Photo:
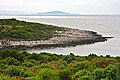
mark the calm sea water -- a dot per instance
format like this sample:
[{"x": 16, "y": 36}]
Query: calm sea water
[{"x": 105, "y": 25}]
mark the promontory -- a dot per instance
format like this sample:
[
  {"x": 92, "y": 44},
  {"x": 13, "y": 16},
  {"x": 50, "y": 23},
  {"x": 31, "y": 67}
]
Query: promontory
[{"x": 21, "y": 34}]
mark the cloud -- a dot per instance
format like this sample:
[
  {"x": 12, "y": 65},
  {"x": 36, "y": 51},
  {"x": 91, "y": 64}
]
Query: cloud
[{"x": 79, "y": 6}]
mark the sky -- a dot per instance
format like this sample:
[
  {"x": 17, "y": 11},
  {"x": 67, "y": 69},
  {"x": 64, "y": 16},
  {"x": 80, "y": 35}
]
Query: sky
[{"x": 71, "y": 6}]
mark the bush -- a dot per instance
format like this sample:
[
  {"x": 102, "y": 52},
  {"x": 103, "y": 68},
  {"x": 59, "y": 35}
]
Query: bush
[
  {"x": 69, "y": 58},
  {"x": 43, "y": 65},
  {"x": 98, "y": 74},
  {"x": 63, "y": 65},
  {"x": 3, "y": 66},
  {"x": 65, "y": 74},
  {"x": 27, "y": 64},
  {"x": 2, "y": 71},
  {"x": 80, "y": 66},
  {"x": 112, "y": 72},
  {"x": 85, "y": 78},
  {"x": 11, "y": 61},
  {"x": 82, "y": 75},
  {"x": 26, "y": 74},
  {"x": 47, "y": 74},
  {"x": 12, "y": 54},
  {"x": 6, "y": 78},
  {"x": 13, "y": 70},
  {"x": 104, "y": 62}
]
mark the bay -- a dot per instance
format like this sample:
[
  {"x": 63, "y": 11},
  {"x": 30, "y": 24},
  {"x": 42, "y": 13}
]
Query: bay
[{"x": 104, "y": 25}]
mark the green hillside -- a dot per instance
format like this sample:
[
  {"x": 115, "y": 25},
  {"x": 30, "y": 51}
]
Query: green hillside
[
  {"x": 15, "y": 29},
  {"x": 46, "y": 66}
]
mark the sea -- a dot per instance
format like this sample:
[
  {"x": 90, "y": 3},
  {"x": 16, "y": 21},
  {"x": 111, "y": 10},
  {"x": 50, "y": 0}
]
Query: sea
[{"x": 106, "y": 25}]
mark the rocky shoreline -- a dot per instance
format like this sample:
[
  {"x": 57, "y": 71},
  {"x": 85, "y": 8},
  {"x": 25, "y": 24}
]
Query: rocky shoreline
[{"x": 67, "y": 37}]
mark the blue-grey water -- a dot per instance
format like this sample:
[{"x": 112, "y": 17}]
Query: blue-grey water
[{"x": 105, "y": 25}]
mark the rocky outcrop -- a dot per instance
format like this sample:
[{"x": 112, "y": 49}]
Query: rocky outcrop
[{"x": 67, "y": 37}]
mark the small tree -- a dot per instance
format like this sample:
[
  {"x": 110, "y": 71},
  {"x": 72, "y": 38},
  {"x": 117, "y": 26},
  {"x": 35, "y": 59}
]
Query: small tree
[
  {"x": 47, "y": 74},
  {"x": 82, "y": 75},
  {"x": 112, "y": 72},
  {"x": 13, "y": 70},
  {"x": 98, "y": 74},
  {"x": 65, "y": 74}
]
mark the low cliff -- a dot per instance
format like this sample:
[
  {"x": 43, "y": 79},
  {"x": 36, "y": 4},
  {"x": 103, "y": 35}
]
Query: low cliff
[{"x": 66, "y": 37}]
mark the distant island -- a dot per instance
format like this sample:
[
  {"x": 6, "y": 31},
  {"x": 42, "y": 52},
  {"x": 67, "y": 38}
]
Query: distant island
[
  {"x": 20, "y": 34},
  {"x": 56, "y": 13},
  {"x": 50, "y": 13},
  {"x": 59, "y": 13}
]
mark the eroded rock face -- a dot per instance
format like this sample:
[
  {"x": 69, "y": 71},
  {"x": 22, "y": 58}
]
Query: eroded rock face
[
  {"x": 74, "y": 35},
  {"x": 66, "y": 37}
]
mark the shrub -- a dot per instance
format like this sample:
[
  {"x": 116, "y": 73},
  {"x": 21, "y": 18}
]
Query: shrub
[
  {"x": 111, "y": 72},
  {"x": 65, "y": 74},
  {"x": 63, "y": 65},
  {"x": 26, "y": 74},
  {"x": 3, "y": 66},
  {"x": 11, "y": 61},
  {"x": 12, "y": 54},
  {"x": 80, "y": 66},
  {"x": 98, "y": 74},
  {"x": 2, "y": 71},
  {"x": 69, "y": 58},
  {"x": 82, "y": 75},
  {"x": 27, "y": 64},
  {"x": 85, "y": 78},
  {"x": 6, "y": 78},
  {"x": 43, "y": 65},
  {"x": 13, "y": 70},
  {"x": 104, "y": 62},
  {"x": 47, "y": 74}
]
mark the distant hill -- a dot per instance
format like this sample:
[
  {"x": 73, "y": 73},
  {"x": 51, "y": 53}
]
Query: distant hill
[
  {"x": 59, "y": 13},
  {"x": 2, "y": 12},
  {"x": 55, "y": 13}
]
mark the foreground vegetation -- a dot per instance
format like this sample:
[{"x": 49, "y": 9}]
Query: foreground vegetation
[
  {"x": 16, "y": 65},
  {"x": 13, "y": 29}
]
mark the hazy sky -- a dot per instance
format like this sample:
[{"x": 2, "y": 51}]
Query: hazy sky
[{"x": 72, "y": 6}]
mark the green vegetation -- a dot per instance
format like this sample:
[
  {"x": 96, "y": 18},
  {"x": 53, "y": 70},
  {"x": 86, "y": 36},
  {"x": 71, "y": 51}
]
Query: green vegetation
[
  {"x": 6, "y": 78},
  {"x": 16, "y": 65},
  {"x": 13, "y": 29}
]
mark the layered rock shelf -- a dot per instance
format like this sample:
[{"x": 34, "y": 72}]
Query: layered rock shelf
[{"x": 66, "y": 37}]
